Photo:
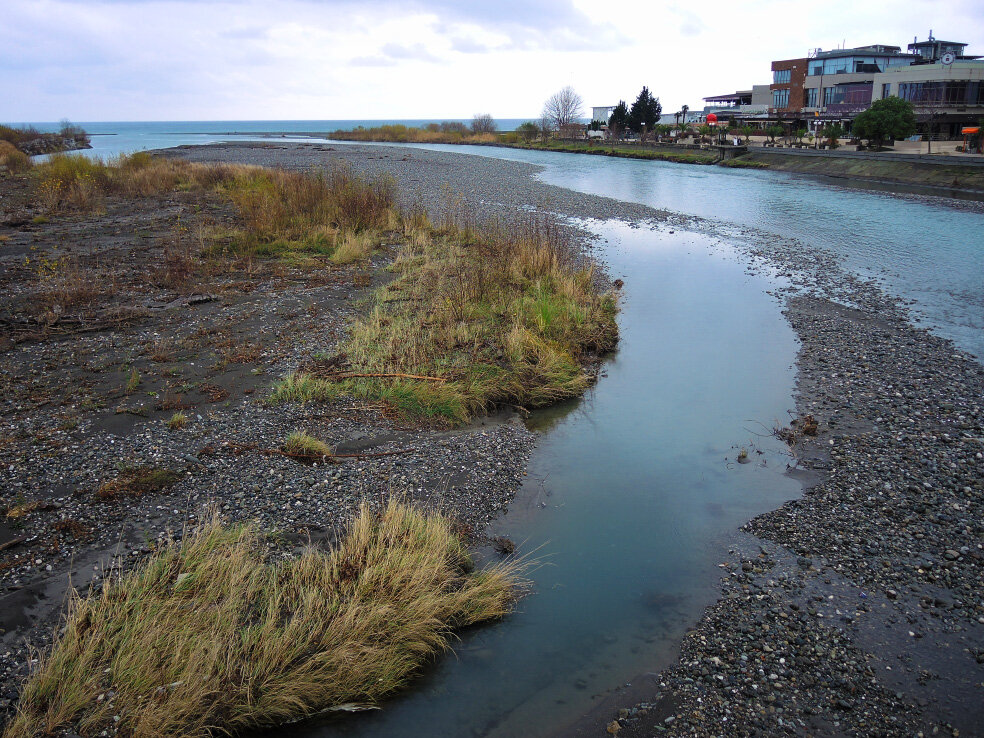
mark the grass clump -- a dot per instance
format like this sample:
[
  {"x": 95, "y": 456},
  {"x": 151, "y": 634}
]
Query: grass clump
[
  {"x": 82, "y": 183},
  {"x": 13, "y": 158},
  {"x": 302, "y": 445},
  {"x": 177, "y": 421},
  {"x": 473, "y": 321},
  {"x": 210, "y": 637},
  {"x": 134, "y": 481},
  {"x": 291, "y": 213}
]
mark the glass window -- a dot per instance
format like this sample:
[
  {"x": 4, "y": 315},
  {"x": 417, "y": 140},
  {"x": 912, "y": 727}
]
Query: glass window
[
  {"x": 781, "y": 76},
  {"x": 812, "y": 95},
  {"x": 780, "y": 98},
  {"x": 886, "y": 90},
  {"x": 960, "y": 92}
]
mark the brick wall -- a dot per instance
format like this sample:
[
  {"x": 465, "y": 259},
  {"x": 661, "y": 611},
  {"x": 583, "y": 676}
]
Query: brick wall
[{"x": 797, "y": 79}]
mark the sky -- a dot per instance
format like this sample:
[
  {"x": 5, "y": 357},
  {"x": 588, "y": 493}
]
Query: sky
[{"x": 112, "y": 60}]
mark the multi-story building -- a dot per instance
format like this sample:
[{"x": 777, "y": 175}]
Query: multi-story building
[{"x": 937, "y": 77}]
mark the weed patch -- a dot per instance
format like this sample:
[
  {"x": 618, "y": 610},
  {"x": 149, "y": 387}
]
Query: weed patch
[{"x": 302, "y": 446}]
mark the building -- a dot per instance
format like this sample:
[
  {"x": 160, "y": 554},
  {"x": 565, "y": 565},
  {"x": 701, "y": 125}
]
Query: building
[
  {"x": 602, "y": 114},
  {"x": 942, "y": 82},
  {"x": 743, "y": 105}
]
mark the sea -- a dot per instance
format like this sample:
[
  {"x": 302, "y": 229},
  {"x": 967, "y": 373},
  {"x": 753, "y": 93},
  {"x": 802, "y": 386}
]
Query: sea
[{"x": 111, "y": 138}]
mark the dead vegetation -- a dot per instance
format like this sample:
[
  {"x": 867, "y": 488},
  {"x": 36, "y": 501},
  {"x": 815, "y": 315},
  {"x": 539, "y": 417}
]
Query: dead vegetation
[
  {"x": 209, "y": 636},
  {"x": 135, "y": 481},
  {"x": 797, "y": 429}
]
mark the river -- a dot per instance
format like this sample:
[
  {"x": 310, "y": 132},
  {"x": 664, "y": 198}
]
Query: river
[{"x": 634, "y": 493}]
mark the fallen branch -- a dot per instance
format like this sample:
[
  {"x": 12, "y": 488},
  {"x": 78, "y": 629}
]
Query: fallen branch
[{"x": 352, "y": 375}]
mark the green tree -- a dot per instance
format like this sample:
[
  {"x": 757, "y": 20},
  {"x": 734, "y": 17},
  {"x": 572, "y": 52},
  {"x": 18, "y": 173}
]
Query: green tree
[
  {"x": 528, "y": 131},
  {"x": 645, "y": 112},
  {"x": 773, "y": 131},
  {"x": 746, "y": 132},
  {"x": 832, "y": 132},
  {"x": 618, "y": 121},
  {"x": 890, "y": 117}
]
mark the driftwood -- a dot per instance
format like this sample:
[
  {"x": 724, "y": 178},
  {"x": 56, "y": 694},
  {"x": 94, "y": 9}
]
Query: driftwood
[
  {"x": 354, "y": 375},
  {"x": 12, "y": 542}
]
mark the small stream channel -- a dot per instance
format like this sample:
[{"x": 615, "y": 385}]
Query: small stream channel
[{"x": 632, "y": 496}]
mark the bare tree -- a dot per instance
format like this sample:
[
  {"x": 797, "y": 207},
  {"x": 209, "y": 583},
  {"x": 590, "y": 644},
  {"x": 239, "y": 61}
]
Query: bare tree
[
  {"x": 563, "y": 108},
  {"x": 483, "y": 123},
  {"x": 546, "y": 126}
]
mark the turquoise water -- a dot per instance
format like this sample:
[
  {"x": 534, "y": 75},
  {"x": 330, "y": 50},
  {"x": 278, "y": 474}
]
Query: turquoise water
[
  {"x": 631, "y": 499},
  {"x": 113, "y": 138}
]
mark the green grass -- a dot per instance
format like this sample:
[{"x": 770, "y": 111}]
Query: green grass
[
  {"x": 210, "y": 636},
  {"x": 627, "y": 152},
  {"x": 741, "y": 163},
  {"x": 486, "y": 319},
  {"x": 299, "y": 443}
]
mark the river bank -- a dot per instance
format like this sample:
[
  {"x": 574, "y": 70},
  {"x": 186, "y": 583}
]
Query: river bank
[
  {"x": 897, "y": 461},
  {"x": 944, "y": 172}
]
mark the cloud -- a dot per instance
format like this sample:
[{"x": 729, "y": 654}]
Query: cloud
[
  {"x": 372, "y": 61},
  {"x": 691, "y": 24},
  {"x": 416, "y": 52}
]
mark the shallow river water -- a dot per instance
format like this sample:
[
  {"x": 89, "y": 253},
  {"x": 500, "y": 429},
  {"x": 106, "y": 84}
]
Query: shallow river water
[
  {"x": 634, "y": 493},
  {"x": 631, "y": 499},
  {"x": 922, "y": 247}
]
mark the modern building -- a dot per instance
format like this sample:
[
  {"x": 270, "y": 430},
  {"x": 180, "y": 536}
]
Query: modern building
[
  {"x": 943, "y": 83},
  {"x": 743, "y": 105}
]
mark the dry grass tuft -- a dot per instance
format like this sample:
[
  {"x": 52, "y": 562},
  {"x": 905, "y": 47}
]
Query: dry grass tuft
[
  {"x": 292, "y": 213},
  {"x": 13, "y": 158},
  {"x": 354, "y": 247},
  {"x": 211, "y": 637},
  {"x": 82, "y": 183}
]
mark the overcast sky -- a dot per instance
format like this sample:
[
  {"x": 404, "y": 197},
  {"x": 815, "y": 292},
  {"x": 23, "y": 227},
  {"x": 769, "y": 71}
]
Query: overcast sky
[{"x": 92, "y": 60}]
